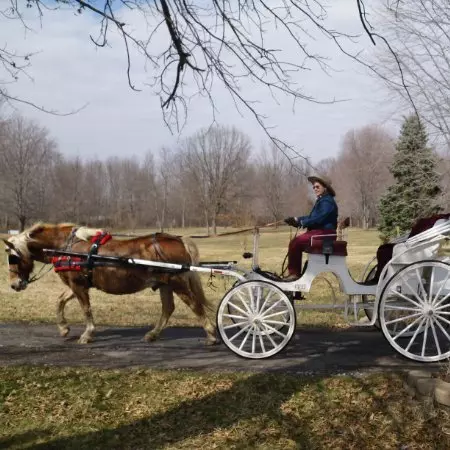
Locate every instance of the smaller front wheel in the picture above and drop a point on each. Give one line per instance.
(256, 320)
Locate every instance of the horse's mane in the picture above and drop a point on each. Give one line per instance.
(21, 240)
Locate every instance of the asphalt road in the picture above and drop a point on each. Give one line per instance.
(311, 351)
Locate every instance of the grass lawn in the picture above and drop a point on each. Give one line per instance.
(149, 409)
(68, 408)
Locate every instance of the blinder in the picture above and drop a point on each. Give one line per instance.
(13, 260)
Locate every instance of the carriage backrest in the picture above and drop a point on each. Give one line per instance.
(426, 223)
(386, 251)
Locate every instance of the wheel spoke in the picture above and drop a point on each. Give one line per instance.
(235, 316)
(442, 300)
(436, 340)
(258, 298)
(269, 336)
(442, 318)
(440, 288)
(239, 309)
(442, 328)
(401, 308)
(271, 307)
(422, 289)
(268, 297)
(413, 292)
(240, 332)
(246, 337)
(277, 322)
(250, 291)
(261, 341)
(274, 330)
(413, 338)
(430, 293)
(233, 325)
(254, 339)
(406, 329)
(425, 337)
(266, 316)
(244, 302)
(410, 300)
(400, 319)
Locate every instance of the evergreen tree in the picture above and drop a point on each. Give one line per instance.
(414, 193)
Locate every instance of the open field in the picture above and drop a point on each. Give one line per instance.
(37, 302)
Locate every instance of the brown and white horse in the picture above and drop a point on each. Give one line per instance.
(27, 247)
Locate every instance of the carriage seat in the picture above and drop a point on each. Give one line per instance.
(385, 251)
(317, 247)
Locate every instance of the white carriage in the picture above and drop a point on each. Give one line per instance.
(410, 300)
(407, 295)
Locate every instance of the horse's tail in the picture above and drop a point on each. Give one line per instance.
(195, 282)
(192, 249)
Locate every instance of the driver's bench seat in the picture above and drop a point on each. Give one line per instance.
(327, 246)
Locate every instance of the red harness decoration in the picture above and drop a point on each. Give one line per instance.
(77, 263)
(101, 238)
(67, 263)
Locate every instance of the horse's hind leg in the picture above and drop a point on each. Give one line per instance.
(61, 322)
(191, 292)
(83, 297)
(168, 307)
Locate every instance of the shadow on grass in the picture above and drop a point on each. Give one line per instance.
(252, 413)
(257, 397)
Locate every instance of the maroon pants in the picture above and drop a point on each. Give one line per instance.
(298, 245)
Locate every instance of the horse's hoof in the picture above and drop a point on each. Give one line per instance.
(211, 342)
(64, 331)
(85, 340)
(149, 337)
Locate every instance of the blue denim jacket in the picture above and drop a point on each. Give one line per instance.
(323, 216)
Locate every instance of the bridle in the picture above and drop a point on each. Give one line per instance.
(16, 260)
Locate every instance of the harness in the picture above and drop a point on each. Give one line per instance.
(77, 263)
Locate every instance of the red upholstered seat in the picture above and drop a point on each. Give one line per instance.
(339, 247)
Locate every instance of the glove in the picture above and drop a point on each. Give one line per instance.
(292, 221)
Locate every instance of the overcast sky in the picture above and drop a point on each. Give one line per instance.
(69, 72)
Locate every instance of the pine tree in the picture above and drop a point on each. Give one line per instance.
(416, 188)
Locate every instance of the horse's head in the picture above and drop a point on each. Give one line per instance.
(20, 264)
(27, 247)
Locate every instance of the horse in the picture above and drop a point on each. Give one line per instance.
(27, 247)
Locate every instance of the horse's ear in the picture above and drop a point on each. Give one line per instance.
(8, 244)
(36, 230)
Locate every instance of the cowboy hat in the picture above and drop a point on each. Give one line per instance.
(324, 182)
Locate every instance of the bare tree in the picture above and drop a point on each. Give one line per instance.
(214, 159)
(419, 33)
(361, 173)
(208, 43)
(26, 153)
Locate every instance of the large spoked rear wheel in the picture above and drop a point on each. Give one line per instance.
(414, 311)
(256, 320)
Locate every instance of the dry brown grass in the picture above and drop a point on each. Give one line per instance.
(37, 302)
(147, 409)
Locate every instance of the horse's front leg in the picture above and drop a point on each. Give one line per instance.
(61, 322)
(168, 307)
(82, 294)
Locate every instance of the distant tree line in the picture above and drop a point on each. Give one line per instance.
(213, 178)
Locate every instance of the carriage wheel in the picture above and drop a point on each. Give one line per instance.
(368, 299)
(256, 320)
(414, 311)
